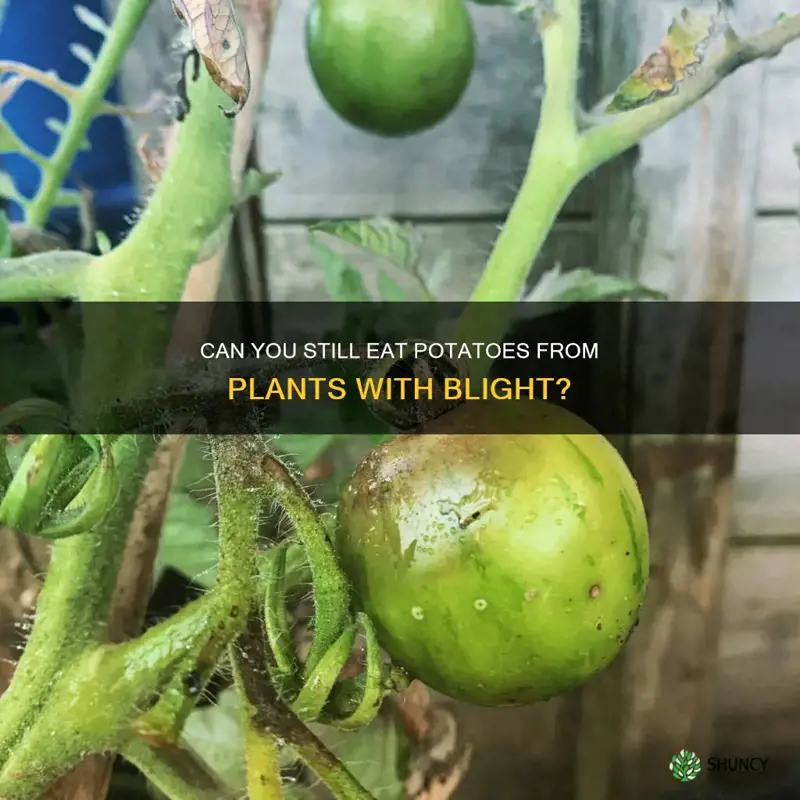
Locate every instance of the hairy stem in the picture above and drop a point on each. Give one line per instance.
(261, 754)
(238, 469)
(72, 608)
(191, 201)
(85, 106)
(103, 692)
(274, 718)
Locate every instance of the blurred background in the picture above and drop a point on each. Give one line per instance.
(704, 209)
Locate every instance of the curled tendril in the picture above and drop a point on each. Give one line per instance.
(12, 417)
(286, 669)
(59, 490)
(92, 502)
(321, 695)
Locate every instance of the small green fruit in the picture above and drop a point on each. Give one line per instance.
(498, 569)
(391, 67)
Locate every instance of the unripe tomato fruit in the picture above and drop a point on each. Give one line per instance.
(391, 67)
(498, 569)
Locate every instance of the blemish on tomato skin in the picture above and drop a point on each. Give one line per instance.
(417, 613)
(594, 592)
(480, 604)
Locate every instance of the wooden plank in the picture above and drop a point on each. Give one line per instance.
(294, 275)
(695, 189)
(766, 498)
(776, 259)
(779, 172)
(757, 693)
(470, 164)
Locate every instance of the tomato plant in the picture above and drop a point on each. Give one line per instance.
(499, 569)
(395, 67)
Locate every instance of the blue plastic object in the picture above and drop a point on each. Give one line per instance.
(39, 33)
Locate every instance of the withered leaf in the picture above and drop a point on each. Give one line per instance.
(218, 39)
(439, 761)
(681, 52)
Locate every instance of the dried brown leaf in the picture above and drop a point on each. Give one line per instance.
(218, 39)
(413, 705)
(439, 761)
(442, 783)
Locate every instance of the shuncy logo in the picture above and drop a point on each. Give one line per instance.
(685, 766)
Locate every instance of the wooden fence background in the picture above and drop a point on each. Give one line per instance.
(707, 208)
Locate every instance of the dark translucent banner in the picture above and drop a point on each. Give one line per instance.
(623, 368)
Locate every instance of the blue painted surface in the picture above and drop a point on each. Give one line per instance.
(39, 33)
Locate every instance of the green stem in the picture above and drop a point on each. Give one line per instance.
(273, 717)
(239, 477)
(82, 110)
(43, 276)
(553, 171)
(102, 692)
(553, 168)
(238, 470)
(73, 607)
(262, 758)
(561, 157)
(191, 201)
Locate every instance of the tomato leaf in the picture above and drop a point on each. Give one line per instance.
(375, 754)
(214, 733)
(659, 75)
(218, 39)
(189, 540)
(342, 279)
(382, 236)
(390, 290)
(578, 285)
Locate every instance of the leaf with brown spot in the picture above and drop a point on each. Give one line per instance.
(218, 39)
(660, 74)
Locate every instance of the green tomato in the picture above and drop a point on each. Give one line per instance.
(391, 67)
(498, 569)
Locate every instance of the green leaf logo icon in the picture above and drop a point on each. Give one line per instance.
(685, 766)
